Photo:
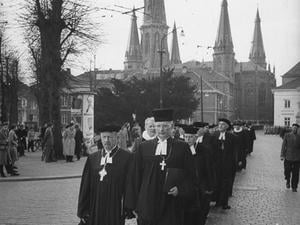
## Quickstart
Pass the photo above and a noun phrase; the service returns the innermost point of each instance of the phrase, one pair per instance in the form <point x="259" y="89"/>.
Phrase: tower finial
<point x="175" y="56"/>
<point x="133" y="55"/>
<point x="257" y="52"/>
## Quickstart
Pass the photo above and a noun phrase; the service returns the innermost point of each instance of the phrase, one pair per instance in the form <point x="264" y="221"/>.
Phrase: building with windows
<point x="287" y="98"/>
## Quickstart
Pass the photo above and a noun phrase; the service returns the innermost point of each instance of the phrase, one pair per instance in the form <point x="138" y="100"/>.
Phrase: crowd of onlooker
<point x="276" y="130"/>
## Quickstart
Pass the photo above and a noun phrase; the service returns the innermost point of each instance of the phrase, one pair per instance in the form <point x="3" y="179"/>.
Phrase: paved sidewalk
<point x="30" y="167"/>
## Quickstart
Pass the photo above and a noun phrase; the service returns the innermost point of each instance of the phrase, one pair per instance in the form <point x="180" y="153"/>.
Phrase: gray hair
<point x="149" y="120"/>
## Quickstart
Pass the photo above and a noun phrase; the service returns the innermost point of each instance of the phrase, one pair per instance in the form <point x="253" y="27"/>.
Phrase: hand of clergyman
<point x="173" y="191"/>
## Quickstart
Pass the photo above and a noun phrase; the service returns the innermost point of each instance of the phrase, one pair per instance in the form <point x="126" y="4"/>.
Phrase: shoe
<point x="294" y="189"/>
<point x="226" y="207"/>
<point x="14" y="174"/>
<point x="3" y="175"/>
<point x="14" y="167"/>
<point x="288" y="186"/>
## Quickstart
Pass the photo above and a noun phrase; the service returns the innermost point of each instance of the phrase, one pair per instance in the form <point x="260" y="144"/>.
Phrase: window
<point x="287" y="104"/>
<point x="24" y="102"/>
<point x="64" y="100"/>
<point x="64" y="118"/>
<point x="147" y="43"/>
<point x="262" y="94"/>
<point x="287" y="121"/>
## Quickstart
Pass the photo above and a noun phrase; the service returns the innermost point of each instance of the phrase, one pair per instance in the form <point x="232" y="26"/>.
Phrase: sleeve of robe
<point x="84" y="192"/>
<point x="134" y="180"/>
<point x="188" y="187"/>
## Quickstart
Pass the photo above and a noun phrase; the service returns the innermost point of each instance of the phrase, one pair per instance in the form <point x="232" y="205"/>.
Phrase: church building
<point x="228" y="88"/>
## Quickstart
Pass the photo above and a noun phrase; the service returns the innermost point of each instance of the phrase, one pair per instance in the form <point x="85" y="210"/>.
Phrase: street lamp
<point x="161" y="52"/>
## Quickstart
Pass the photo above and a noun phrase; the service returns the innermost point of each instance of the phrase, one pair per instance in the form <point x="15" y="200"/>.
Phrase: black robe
<point x="146" y="195"/>
<point x="198" y="209"/>
<point x="103" y="200"/>
<point x="242" y="141"/>
<point x="225" y="164"/>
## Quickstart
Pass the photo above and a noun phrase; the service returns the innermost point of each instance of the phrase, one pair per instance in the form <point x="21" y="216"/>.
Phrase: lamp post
<point x="161" y="51"/>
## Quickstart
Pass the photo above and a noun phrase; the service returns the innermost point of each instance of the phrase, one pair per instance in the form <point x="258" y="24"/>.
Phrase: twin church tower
<point x="237" y="90"/>
<point x="144" y="54"/>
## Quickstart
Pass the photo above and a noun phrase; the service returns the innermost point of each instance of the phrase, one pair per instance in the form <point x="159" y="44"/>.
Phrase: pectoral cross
<point x="102" y="174"/>
<point x="163" y="164"/>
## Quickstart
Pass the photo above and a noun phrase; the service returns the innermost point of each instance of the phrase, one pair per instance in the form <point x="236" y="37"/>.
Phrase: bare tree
<point x="56" y="29"/>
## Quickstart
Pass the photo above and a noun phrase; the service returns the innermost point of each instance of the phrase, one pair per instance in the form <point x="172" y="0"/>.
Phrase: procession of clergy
<point x="165" y="179"/>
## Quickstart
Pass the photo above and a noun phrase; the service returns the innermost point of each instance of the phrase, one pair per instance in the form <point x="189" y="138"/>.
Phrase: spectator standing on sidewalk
<point x="252" y="136"/>
<point x="290" y="153"/>
<point x="3" y="149"/>
<point x="69" y="142"/>
<point x="12" y="151"/>
<point x="78" y="141"/>
<point x="48" y="142"/>
<point x="30" y="138"/>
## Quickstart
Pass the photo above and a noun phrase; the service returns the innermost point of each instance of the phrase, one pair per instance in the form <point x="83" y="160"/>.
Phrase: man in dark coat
<point x="103" y="182"/>
<point x="290" y="153"/>
<point x="241" y="144"/>
<point x="224" y="149"/>
<point x="162" y="175"/>
<point x="252" y="137"/>
<point x="198" y="209"/>
<point x="78" y="141"/>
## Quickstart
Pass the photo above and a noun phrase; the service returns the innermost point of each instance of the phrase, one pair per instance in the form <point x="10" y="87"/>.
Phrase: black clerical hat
<point x="163" y="115"/>
<point x="110" y="128"/>
<point x="212" y="126"/>
<point x="237" y="123"/>
<point x="180" y="125"/>
<point x="225" y="121"/>
<point x="190" y="129"/>
<point x="295" y="124"/>
<point x="200" y="124"/>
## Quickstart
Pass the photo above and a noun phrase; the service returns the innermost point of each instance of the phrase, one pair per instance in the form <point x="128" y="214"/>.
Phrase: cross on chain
<point x="163" y="164"/>
<point x="102" y="174"/>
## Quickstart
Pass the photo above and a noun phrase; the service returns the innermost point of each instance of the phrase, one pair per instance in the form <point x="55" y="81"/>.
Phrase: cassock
<point x="102" y="200"/>
<point x="252" y="138"/>
<point x="224" y="160"/>
<point x="146" y="194"/>
<point x="198" y="209"/>
<point x="241" y="147"/>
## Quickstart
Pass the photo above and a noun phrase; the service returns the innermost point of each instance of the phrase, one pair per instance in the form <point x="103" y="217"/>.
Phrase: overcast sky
<point x="280" y="22"/>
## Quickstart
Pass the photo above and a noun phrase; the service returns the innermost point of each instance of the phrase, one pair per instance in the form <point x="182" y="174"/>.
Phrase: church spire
<point x="133" y="55"/>
<point x="154" y="31"/>
<point x="154" y="12"/>
<point x="257" y="52"/>
<point x="224" y="41"/>
<point x="175" y="56"/>
<point x="223" y="57"/>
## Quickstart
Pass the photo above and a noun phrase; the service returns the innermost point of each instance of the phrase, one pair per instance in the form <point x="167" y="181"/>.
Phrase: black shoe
<point x="226" y="207"/>
<point x="294" y="189"/>
<point x="288" y="186"/>
<point x="14" y="174"/>
<point x="3" y="175"/>
<point x="14" y="167"/>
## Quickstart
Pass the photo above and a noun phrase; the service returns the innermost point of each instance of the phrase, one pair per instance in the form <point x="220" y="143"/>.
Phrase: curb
<point x="21" y="179"/>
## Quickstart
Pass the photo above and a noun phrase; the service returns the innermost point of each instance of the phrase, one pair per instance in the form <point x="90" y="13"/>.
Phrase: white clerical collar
<point x="146" y="136"/>
<point x="200" y="139"/>
<point x="107" y="158"/>
<point x="238" y="130"/>
<point x="161" y="148"/>
<point x="222" y="136"/>
<point x="193" y="150"/>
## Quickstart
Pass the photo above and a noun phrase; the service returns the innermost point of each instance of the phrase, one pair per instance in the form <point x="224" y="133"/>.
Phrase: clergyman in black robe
<point x="224" y="159"/>
<point x="154" y="162"/>
<point x="103" y="182"/>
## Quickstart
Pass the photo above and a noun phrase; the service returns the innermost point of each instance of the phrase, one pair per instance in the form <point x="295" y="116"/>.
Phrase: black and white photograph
<point x="149" y="112"/>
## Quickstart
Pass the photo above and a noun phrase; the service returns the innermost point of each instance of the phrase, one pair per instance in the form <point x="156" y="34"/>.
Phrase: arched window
<point x="262" y="94"/>
<point x="156" y="42"/>
<point x="147" y="43"/>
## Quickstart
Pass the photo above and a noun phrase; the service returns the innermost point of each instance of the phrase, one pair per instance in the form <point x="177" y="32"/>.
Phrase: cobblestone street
<point x="259" y="197"/>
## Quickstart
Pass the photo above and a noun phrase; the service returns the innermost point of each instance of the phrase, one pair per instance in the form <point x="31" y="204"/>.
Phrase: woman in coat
<point x="69" y="143"/>
<point x="3" y="149"/>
